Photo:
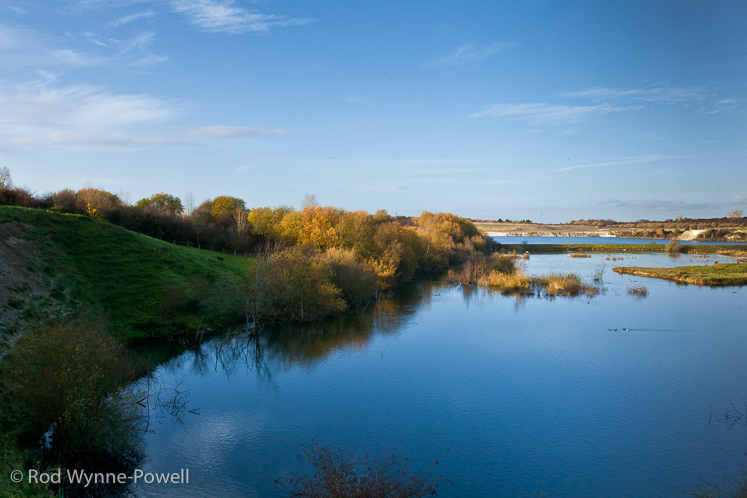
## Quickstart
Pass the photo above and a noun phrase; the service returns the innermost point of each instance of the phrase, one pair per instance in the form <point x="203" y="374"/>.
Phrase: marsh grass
<point x="569" y="284"/>
<point x="638" y="290"/>
<point x="579" y="255"/>
<point x="505" y="282"/>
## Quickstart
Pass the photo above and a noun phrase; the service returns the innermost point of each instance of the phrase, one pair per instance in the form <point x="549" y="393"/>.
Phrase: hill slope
<point x="53" y="264"/>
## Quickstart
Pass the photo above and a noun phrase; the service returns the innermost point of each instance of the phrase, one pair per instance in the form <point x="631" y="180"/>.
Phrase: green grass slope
<point x="716" y="275"/>
<point x="57" y="263"/>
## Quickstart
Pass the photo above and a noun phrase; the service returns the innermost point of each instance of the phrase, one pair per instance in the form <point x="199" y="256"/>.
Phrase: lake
<point x="612" y="396"/>
<point x="599" y="240"/>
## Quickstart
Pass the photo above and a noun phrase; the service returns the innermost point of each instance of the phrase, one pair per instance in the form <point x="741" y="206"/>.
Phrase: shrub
<point x="66" y="377"/>
<point x="342" y="476"/>
<point x="674" y="247"/>
<point x="303" y="285"/>
<point x="355" y="279"/>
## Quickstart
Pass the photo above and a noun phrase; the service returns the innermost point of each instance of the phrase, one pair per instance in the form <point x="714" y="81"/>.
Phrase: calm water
<point x="609" y="396"/>
<point x="598" y="240"/>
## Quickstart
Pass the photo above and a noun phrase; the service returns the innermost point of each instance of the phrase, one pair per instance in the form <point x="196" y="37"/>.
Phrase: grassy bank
<point x="55" y="264"/>
<point x="716" y="275"/>
<point x="732" y="249"/>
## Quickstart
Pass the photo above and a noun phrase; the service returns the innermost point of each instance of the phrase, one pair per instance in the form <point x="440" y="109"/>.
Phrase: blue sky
<point x="543" y="110"/>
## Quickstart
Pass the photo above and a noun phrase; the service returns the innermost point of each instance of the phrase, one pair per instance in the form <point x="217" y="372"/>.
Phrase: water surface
<point x="608" y="396"/>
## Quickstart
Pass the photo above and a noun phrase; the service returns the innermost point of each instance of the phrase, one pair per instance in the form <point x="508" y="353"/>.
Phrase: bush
<point x="674" y="247"/>
<point x="342" y="476"/>
<point x="66" y="377"/>
<point x="303" y="286"/>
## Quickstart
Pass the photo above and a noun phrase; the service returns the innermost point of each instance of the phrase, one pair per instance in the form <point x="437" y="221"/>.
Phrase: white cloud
<point x="138" y="42"/>
<point x="540" y="113"/>
<point x="661" y="93"/>
<point x="661" y="205"/>
<point x="128" y="19"/>
<point x="628" y="160"/>
<point x="699" y="97"/>
<point x="93" y="38"/>
<point x="224" y="15"/>
<point x="149" y="61"/>
<point x="69" y="58"/>
<point x="29" y="48"/>
<point x="469" y="52"/>
<point x="37" y="114"/>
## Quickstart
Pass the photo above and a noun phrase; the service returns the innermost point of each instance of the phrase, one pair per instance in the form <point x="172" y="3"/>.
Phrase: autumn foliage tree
<point x="165" y="203"/>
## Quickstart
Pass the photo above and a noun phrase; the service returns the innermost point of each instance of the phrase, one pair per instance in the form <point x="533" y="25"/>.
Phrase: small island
<point x="716" y="275"/>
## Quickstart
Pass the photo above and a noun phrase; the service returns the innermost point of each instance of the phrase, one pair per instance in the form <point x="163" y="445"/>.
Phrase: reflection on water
<point x="603" y="396"/>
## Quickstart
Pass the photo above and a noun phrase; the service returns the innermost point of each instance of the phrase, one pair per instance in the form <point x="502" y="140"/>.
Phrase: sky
<point x="549" y="111"/>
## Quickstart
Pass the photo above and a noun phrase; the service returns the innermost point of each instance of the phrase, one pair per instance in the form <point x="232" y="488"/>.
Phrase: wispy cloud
<point x="469" y="52"/>
<point x="224" y="15"/>
<point x="93" y="38"/>
<point x="69" y="58"/>
<point x="674" y="205"/>
<point x="38" y="114"/>
<point x="148" y="61"/>
<point x="18" y="10"/>
<point x="30" y="48"/>
<point x="660" y="93"/>
<point x="660" y="205"/>
<point x="128" y="19"/>
<point x="628" y="160"/>
<point x="540" y="113"/>
<point x="138" y="42"/>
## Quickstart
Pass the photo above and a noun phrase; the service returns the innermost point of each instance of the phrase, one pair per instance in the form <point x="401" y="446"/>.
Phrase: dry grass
<point x="505" y="282"/>
<point x="638" y="290"/>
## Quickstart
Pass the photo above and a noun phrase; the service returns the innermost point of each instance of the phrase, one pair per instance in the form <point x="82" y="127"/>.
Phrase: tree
<point x="163" y="202"/>
<point x="737" y="213"/>
<point x="309" y="200"/>
<point x="226" y="204"/>
<point x="5" y="181"/>
<point x="94" y="202"/>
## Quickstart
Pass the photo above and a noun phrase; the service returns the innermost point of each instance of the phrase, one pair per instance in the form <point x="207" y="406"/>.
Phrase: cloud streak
<point x="85" y="117"/>
<point x="652" y="94"/>
<point x="541" y="113"/>
<point x="661" y="205"/>
<point x="630" y="160"/>
<point x="469" y="52"/>
<point x="225" y="16"/>
<point x="128" y="19"/>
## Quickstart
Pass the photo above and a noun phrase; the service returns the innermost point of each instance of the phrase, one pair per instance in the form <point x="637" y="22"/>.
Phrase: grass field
<point x="54" y="264"/>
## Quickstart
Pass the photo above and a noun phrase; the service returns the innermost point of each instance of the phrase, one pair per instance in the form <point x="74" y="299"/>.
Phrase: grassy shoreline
<point x="725" y="249"/>
<point x="716" y="275"/>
